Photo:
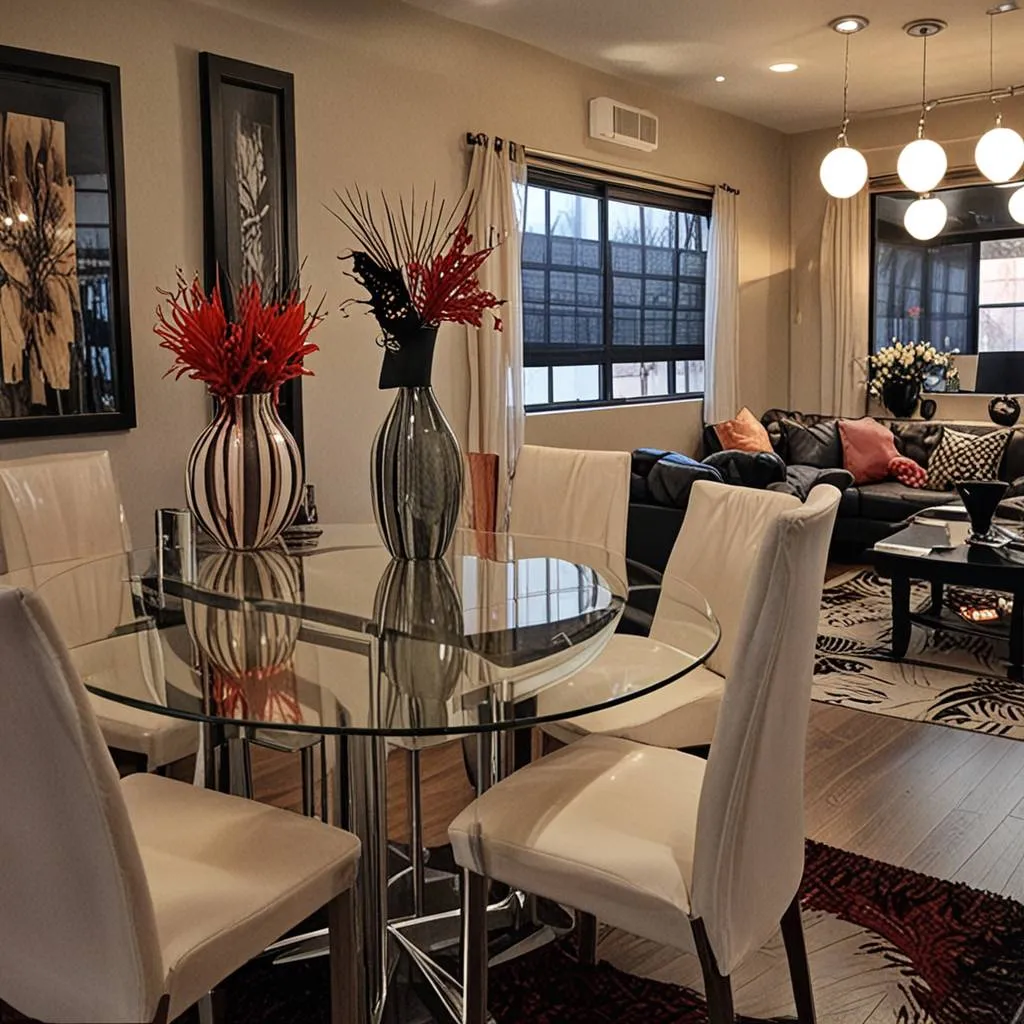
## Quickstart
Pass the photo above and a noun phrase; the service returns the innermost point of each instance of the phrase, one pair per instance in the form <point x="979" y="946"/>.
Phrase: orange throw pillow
<point x="745" y="433"/>
<point x="868" y="448"/>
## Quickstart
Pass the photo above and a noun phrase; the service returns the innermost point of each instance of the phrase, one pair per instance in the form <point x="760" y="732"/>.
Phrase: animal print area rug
<point x="949" y="677"/>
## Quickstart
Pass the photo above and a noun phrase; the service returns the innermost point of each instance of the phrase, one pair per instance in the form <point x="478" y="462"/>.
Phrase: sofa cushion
<point x="671" y="478"/>
<point x="800" y="479"/>
<point x="743" y="433"/>
<point x="773" y="422"/>
<point x="966" y="456"/>
<point x="916" y="439"/>
<point x="868" y="448"/>
<point x="748" y="469"/>
<point x="892" y="502"/>
<point x="815" y="444"/>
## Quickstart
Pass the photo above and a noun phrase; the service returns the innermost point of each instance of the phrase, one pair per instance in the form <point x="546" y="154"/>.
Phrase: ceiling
<point x="681" y="45"/>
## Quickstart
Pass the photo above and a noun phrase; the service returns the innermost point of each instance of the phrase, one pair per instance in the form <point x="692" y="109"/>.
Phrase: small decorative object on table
<point x="980" y="498"/>
<point x="244" y="477"/>
<point x="928" y="408"/>
<point x="1004" y="411"/>
<point x="419" y="273"/>
<point x="898" y="372"/>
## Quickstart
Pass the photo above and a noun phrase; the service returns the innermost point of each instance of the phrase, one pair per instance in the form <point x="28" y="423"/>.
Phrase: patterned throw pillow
<point x="908" y="472"/>
<point x="959" y="456"/>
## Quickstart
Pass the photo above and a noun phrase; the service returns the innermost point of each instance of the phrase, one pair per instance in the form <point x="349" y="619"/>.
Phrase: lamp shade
<point x="922" y="165"/>
<point x="999" y="154"/>
<point x="1017" y="206"/>
<point x="844" y="172"/>
<point x="925" y="217"/>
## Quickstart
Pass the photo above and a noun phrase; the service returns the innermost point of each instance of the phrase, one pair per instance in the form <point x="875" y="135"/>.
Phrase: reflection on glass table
<point x="341" y="641"/>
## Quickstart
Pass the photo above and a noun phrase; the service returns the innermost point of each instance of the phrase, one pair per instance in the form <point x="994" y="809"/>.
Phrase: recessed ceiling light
<point x="719" y="78"/>
<point x="784" y="68"/>
<point x="849" y="24"/>
<point x="1003" y="8"/>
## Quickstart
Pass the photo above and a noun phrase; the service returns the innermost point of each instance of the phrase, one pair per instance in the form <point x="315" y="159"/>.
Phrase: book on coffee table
<point x="918" y="539"/>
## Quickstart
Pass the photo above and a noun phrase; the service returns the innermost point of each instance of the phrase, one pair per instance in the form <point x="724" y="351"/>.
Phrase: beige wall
<point x="880" y="140"/>
<point x="384" y="95"/>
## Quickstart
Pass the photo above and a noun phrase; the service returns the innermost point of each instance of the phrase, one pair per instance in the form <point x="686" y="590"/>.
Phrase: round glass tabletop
<point x="335" y="637"/>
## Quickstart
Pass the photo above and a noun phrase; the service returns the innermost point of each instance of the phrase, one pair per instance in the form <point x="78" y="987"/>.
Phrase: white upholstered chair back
<point x="716" y="552"/>
<point x="749" y="851"/>
<point x="566" y="494"/>
<point x="57" y="509"/>
<point x="78" y="921"/>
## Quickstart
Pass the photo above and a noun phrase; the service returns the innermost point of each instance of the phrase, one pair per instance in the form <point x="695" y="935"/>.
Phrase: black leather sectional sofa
<point x="867" y="512"/>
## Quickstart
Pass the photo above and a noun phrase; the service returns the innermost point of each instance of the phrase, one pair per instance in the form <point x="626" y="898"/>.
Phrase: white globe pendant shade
<point x="999" y="154"/>
<point x="844" y="172"/>
<point x="922" y="165"/>
<point x="925" y="218"/>
<point x="1017" y="206"/>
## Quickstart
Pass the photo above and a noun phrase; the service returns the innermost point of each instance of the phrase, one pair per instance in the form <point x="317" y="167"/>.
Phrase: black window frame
<point x="607" y="354"/>
<point x="974" y="305"/>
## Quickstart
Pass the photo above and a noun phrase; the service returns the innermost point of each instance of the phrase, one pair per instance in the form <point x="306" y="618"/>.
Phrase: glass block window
<point x="613" y="293"/>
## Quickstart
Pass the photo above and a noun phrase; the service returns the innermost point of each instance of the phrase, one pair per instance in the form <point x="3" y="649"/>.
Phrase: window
<point x="962" y="291"/>
<point x="613" y="293"/>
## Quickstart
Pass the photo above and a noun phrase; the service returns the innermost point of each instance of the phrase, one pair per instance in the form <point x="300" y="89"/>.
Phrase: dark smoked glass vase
<point x="416" y="469"/>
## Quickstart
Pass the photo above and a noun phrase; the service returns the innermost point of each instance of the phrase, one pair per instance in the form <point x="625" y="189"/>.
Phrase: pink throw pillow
<point x="908" y="472"/>
<point x="868" y="448"/>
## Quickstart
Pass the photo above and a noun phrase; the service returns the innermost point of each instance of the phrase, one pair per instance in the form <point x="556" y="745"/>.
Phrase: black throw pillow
<point x="748" y="469"/>
<point x="815" y="445"/>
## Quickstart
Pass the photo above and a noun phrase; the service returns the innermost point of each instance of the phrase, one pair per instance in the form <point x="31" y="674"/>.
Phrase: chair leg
<point x="344" y="984"/>
<point x="162" y="1010"/>
<point x="308" y="782"/>
<point x="414" y="805"/>
<point x="799" y="972"/>
<point x="474" y="948"/>
<point x="717" y="987"/>
<point x="586" y="938"/>
<point x="324" y="795"/>
<point x="205" y="1008"/>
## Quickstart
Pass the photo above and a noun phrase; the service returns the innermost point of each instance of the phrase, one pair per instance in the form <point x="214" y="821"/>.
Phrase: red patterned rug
<point x="886" y="945"/>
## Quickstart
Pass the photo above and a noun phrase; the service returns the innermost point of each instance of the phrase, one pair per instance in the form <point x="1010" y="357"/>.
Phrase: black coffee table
<point x="966" y="565"/>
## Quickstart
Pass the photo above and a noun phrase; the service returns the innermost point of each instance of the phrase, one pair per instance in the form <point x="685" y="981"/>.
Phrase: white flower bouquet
<point x="904" y="363"/>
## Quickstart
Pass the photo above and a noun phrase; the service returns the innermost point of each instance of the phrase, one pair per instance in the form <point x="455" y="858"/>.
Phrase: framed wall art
<point x="65" y="336"/>
<point x="250" y="209"/>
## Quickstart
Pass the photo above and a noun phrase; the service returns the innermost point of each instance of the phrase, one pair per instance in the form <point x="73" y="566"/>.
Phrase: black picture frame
<point x="85" y="98"/>
<point x="228" y="87"/>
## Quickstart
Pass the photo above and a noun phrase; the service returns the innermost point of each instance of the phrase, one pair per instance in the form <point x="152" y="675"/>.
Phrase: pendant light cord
<point x="846" y="93"/>
<point x="924" y="87"/>
<point x="992" y="69"/>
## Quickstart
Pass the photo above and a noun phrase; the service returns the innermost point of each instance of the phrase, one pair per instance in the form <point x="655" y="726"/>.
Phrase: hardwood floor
<point x="934" y="799"/>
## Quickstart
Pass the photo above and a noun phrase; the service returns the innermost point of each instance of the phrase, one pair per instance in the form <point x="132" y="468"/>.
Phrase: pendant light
<point x="844" y="172"/>
<point x="922" y="164"/>
<point x="1016" y="206"/>
<point x="1000" y="151"/>
<point x="925" y="217"/>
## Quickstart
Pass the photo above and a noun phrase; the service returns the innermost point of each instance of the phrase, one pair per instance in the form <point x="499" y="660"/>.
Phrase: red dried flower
<point x="446" y="287"/>
<point x="256" y="351"/>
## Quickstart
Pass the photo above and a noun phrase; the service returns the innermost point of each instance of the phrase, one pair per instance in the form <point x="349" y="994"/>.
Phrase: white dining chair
<point x="57" y="512"/>
<point x="129" y="900"/>
<point x="715" y="552"/>
<point x="573" y="495"/>
<point x="661" y="843"/>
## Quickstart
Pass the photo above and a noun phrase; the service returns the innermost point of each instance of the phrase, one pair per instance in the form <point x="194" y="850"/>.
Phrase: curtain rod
<point x="573" y="163"/>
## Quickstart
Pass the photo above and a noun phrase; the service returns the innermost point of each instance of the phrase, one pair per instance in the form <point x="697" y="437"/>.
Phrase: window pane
<point x="1001" y="329"/>
<point x="659" y="227"/>
<point x="657" y="327"/>
<point x="690" y="377"/>
<point x="1002" y="271"/>
<point x="576" y="383"/>
<point x="535" y="385"/>
<point x="574" y="216"/>
<point x="639" y="380"/>
<point x="624" y="222"/>
<point x="535" y="215"/>
<point x="626" y="327"/>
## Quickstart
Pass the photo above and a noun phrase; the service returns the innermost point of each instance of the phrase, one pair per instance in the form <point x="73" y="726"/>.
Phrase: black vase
<point x="1004" y="411"/>
<point x="416" y="462"/>
<point x="900" y="397"/>
<point x="980" y="498"/>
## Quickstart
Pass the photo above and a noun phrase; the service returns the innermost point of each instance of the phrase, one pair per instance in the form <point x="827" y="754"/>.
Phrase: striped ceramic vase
<point x="416" y="477"/>
<point x="244" y="477"/>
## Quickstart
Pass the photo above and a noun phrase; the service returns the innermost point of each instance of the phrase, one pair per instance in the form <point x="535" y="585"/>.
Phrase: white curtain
<point x="722" y="317"/>
<point x="844" y="281"/>
<point x="497" y="179"/>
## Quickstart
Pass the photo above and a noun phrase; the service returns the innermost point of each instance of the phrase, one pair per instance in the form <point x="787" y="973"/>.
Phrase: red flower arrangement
<point x="418" y="269"/>
<point x="256" y="350"/>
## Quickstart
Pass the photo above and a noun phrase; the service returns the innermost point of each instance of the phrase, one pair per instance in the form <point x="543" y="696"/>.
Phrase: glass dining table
<point x="332" y="639"/>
